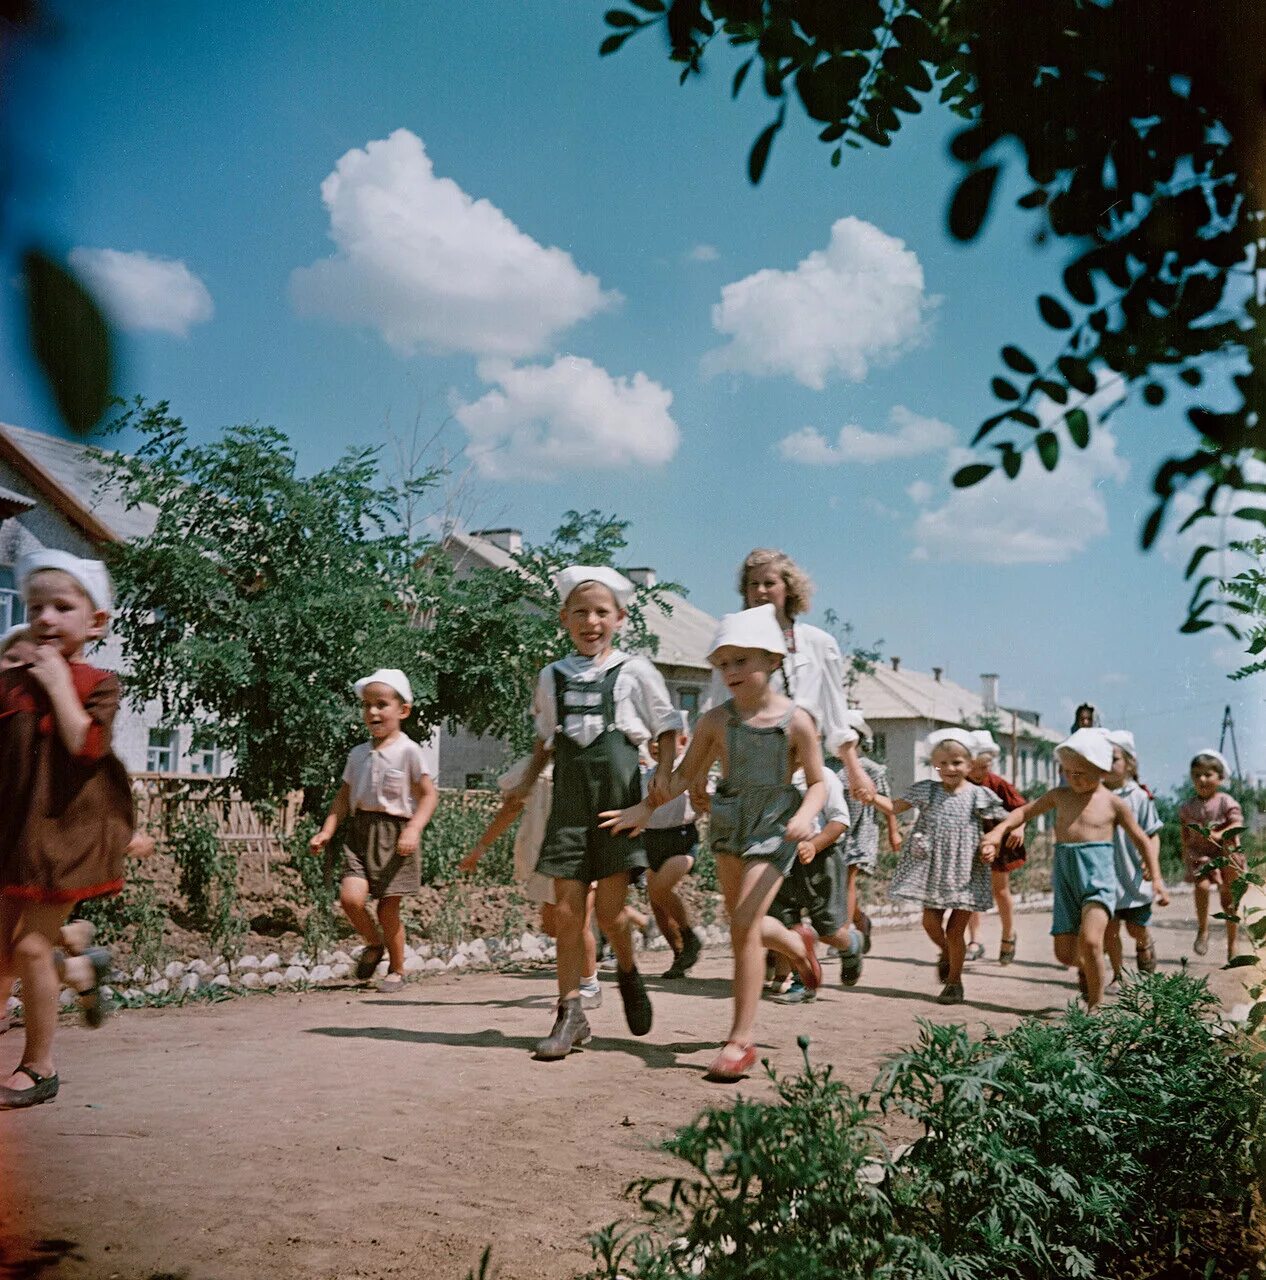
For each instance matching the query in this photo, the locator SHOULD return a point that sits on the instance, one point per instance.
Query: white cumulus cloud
(859, 301)
(543, 420)
(1040, 517)
(431, 267)
(141, 291)
(1221, 532)
(911, 434)
(703, 253)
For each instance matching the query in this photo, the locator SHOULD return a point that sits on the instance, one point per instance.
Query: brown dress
(65, 820)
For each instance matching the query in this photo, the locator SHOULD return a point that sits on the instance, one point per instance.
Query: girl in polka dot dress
(941, 867)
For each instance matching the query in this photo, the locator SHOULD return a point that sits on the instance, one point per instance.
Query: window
(12, 610)
(161, 755)
(688, 700)
(475, 782)
(204, 760)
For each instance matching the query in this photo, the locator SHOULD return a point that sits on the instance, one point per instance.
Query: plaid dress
(940, 864)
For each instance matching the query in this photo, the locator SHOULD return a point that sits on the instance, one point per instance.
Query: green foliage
(1051, 1150)
(455, 830)
(317, 891)
(1140, 131)
(138, 909)
(208, 879)
(859, 659)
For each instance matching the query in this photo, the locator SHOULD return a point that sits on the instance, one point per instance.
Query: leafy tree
(261, 594)
(1141, 127)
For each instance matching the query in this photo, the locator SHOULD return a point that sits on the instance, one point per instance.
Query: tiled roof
(684, 635)
(72, 469)
(12, 503)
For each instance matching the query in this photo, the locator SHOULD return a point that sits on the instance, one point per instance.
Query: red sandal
(728, 1069)
(810, 970)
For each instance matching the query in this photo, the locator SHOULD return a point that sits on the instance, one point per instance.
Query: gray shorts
(818, 890)
(369, 853)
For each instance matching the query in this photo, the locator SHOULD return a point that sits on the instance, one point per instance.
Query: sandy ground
(348, 1134)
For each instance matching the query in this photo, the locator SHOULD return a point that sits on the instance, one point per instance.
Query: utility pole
(1228, 731)
(1015, 751)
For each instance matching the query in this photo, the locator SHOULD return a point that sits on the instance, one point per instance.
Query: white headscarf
(569, 579)
(1216, 755)
(982, 743)
(857, 722)
(90, 574)
(750, 629)
(956, 734)
(1124, 739)
(1092, 745)
(392, 677)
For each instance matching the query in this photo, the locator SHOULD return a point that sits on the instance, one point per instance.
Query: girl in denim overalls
(593, 710)
(760, 737)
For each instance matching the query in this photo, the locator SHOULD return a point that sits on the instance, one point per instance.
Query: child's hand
(633, 819)
(806, 852)
(49, 667)
(318, 842)
(657, 792)
(799, 830)
(1160, 894)
(988, 851)
(863, 792)
(1015, 838)
(895, 841)
(141, 845)
(700, 800)
(471, 860)
(407, 845)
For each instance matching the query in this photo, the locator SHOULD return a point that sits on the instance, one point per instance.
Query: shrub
(208, 879)
(136, 909)
(316, 892)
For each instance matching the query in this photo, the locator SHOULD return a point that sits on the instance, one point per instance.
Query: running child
(817, 886)
(759, 818)
(671, 837)
(1087, 816)
(1135, 892)
(593, 711)
(65, 802)
(533, 814)
(941, 867)
(387, 798)
(1220, 813)
(1011, 856)
(861, 846)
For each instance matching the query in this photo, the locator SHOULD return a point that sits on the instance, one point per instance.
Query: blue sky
(556, 261)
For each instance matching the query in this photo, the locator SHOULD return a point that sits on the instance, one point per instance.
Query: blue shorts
(1140, 915)
(1083, 874)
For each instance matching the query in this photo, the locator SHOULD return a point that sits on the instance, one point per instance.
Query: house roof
(66, 475)
(12, 504)
(885, 694)
(684, 635)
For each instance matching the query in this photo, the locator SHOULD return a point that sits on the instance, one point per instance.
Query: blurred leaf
(759, 158)
(1018, 360)
(1004, 390)
(1048, 449)
(970, 205)
(70, 338)
(972, 474)
(1053, 312)
(1078, 427)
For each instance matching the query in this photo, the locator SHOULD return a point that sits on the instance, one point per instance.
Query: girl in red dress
(65, 803)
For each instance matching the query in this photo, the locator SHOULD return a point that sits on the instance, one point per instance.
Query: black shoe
(688, 957)
(637, 1004)
(571, 1028)
(92, 1006)
(951, 993)
(851, 963)
(368, 962)
(676, 969)
(942, 967)
(43, 1089)
(866, 926)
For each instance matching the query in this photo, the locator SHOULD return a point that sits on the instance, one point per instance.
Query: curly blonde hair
(798, 583)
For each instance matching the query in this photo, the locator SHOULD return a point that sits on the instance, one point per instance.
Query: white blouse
(643, 707)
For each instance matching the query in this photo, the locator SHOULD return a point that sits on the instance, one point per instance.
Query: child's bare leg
(670, 911)
(34, 939)
(1094, 922)
(1227, 878)
(1200, 891)
(589, 939)
(1004, 902)
(749, 888)
(973, 927)
(1142, 936)
(570, 909)
(353, 893)
(934, 927)
(1112, 945)
(549, 925)
(1066, 948)
(615, 917)
(956, 944)
(853, 907)
(392, 932)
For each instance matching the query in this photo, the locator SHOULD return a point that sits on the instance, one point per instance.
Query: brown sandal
(1147, 957)
(1006, 952)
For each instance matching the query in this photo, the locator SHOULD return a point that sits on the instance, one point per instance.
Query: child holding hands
(759, 818)
(387, 797)
(1212, 810)
(65, 803)
(1087, 816)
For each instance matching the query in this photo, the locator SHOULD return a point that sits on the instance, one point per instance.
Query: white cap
(1124, 739)
(1092, 745)
(857, 722)
(1218, 756)
(392, 677)
(750, 629)
(90, 574)
(964, 737)
(982, 743)
(569, 579)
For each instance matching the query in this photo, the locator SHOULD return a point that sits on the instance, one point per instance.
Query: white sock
(589, 985)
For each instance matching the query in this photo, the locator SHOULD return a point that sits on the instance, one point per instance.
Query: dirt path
(348, 1134)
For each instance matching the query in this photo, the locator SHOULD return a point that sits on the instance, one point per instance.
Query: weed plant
(136, 915)
(317, 892)
(1066, 1148)
(208, 879)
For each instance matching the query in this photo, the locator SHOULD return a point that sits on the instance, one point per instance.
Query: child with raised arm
(387, 797)
(594, 710)
(941, 867)
(1135, 893)
(1012, 855)
(861, 845)
(759, 818)
(65, 802)
(1215, 810)
(1087, 816)
(671, 837)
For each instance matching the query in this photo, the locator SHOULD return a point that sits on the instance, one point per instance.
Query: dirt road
(349, 1134)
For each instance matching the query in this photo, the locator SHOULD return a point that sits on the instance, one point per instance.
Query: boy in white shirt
(388, 797)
